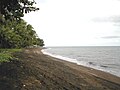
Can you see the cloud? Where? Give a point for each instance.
(111, 37)
(115, 19)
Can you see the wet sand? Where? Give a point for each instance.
(36, 71)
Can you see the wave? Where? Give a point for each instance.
(94, 65)
(60, 57)
(78, 62)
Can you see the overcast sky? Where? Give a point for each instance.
(77, 22)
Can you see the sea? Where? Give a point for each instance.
(104, 58)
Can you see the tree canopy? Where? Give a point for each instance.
(15, 9)
(18, 34)
(14, 31)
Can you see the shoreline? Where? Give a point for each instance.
(36, 71)
(89, 70)
(75, 62)
(95, 72)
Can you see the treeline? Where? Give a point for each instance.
(14, 31)
(18, 34)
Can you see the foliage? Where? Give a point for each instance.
(14, 31)
(15, 9)
(18, 34)
(6, 54)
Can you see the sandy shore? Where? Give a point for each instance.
(36, 71)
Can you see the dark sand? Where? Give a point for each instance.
(35, 71)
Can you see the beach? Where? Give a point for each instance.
(35, 71)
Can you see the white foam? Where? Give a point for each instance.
(79, 62)
(67, 59)
(60, 57)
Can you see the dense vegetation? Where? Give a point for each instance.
(6, 54)
(16, 34)
(15, 9)
(14, 31)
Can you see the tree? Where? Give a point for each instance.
(18, 35)
(14, 31)
(40, 42)
(15, 9)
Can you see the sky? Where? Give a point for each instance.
(77, 22)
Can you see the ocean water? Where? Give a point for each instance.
(102, 58)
